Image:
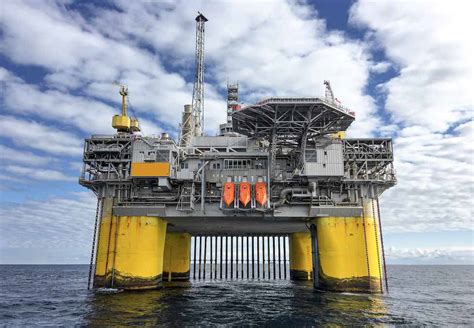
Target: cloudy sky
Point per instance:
(405, 67)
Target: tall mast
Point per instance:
(198, 90)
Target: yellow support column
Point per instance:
(177, 256)
(349, 252)
(301, 262)
(129, 251)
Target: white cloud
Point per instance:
(380, 67)
(52, 223)
(25, 157)
(39, 174)
(436, 181)
(428, 42)
(431, 255)
(31, 134)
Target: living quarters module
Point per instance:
(280, 167)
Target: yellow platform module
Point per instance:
(130, 251)
(160, 169)
(339, 135)
(301, 262)
(349, 252)
(176, 263)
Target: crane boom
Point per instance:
(329, 94)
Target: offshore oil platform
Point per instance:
(279, 170)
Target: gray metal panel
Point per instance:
(219, 141)
(159, 211)
(323, 169)
(327, 161)
(335, 211)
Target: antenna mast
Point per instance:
(198, 90)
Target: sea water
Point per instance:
(57, 295)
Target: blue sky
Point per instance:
(404, 67)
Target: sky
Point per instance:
(404, 67)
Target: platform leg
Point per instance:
(176, 265)
(130, 251)
(348, 252)
(301, 264)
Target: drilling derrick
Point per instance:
(198, 90)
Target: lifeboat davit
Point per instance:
(229, 194)
(261, 193)
(244, 193)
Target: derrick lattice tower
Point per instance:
(329, 95)
(198, 90)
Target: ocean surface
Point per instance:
(56, 295)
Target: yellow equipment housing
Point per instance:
(121, 123)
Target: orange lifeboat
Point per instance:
(244, 193)
(261, 193)
(229, 193)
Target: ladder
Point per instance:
(186, 199)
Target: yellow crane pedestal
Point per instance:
(301, 262)
(349, 252)
(130, 251)
(177, 256)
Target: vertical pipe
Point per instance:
(263, 257)
(315, 255)
(377, 246)
(258, 257)
(284, 255)
(248, 262)
(117, 223)
(279, 258)
(220, 271)
(226, 254)
(108, 244)
(205, 256)
(200, 250)
(215, 253)
(253, 257)
(366, 246)
(268, 257)
(98, 212)
(243, 257)
(195, 258)
(274, 259)
(383, 250)
(210, 260)
(237, 257)
(231, 257)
